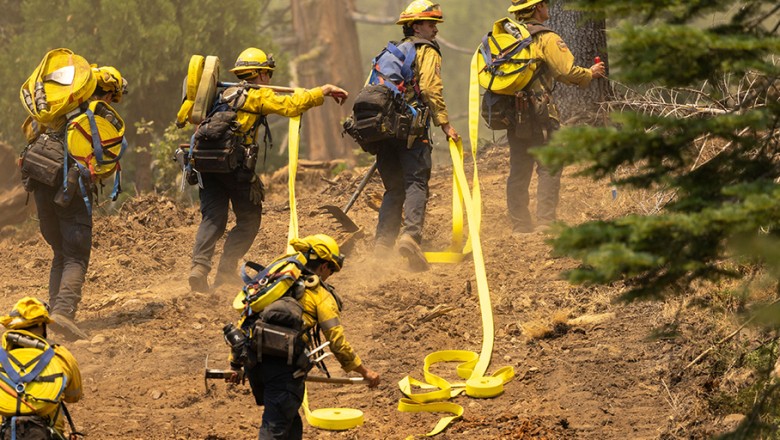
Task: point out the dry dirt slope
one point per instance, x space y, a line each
150 336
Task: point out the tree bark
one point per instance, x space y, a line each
326 52
586 39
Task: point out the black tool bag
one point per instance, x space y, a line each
27 428
278 331
42 161
217 147
499 111
378 115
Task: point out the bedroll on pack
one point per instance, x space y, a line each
32 380
380 111
505 64
269 283
96 142
60 83
199 90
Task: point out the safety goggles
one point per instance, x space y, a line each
269 63
337 263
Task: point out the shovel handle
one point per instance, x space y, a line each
278 89
338 380
360 187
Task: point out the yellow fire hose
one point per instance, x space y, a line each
473 366
334 419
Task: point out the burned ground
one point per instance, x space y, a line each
609 374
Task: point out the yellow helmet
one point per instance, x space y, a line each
253 59
519 5
28 312
323 246
421 10
110 80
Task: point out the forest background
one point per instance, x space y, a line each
150 42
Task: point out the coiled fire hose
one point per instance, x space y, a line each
335 419
473 366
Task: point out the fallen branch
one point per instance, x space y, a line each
722 341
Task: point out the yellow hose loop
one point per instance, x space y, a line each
332 419
408 405
335 419
473 366
457 251
293 144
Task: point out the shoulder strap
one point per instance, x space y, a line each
534 29
41 361
417 41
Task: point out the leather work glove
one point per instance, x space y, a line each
256 191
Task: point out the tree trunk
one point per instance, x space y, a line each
586 39
326 52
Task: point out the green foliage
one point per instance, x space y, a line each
726 205
149 41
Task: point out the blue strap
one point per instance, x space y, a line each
260 271
97 145
117 185
65 156
43 361
406 68
13 428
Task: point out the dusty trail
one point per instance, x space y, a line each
143 367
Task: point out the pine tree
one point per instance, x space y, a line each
699 121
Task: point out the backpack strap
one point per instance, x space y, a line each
97 148
264 277
73 432
406 67
18 380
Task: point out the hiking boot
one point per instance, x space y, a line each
199 278
522 229
409 249
66 327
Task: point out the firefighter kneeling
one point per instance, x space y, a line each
36 377
276 370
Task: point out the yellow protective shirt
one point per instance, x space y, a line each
73 390
320 307
427 72
555 54
266 102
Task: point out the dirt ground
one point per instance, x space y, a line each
605 378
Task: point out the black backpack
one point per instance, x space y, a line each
218 143
380 111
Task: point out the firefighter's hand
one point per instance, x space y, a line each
450 132
370 375
598 70
256 191
337 93
237 377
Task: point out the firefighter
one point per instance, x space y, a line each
406 169
274 382
242 188
66 225
539 119
26 324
